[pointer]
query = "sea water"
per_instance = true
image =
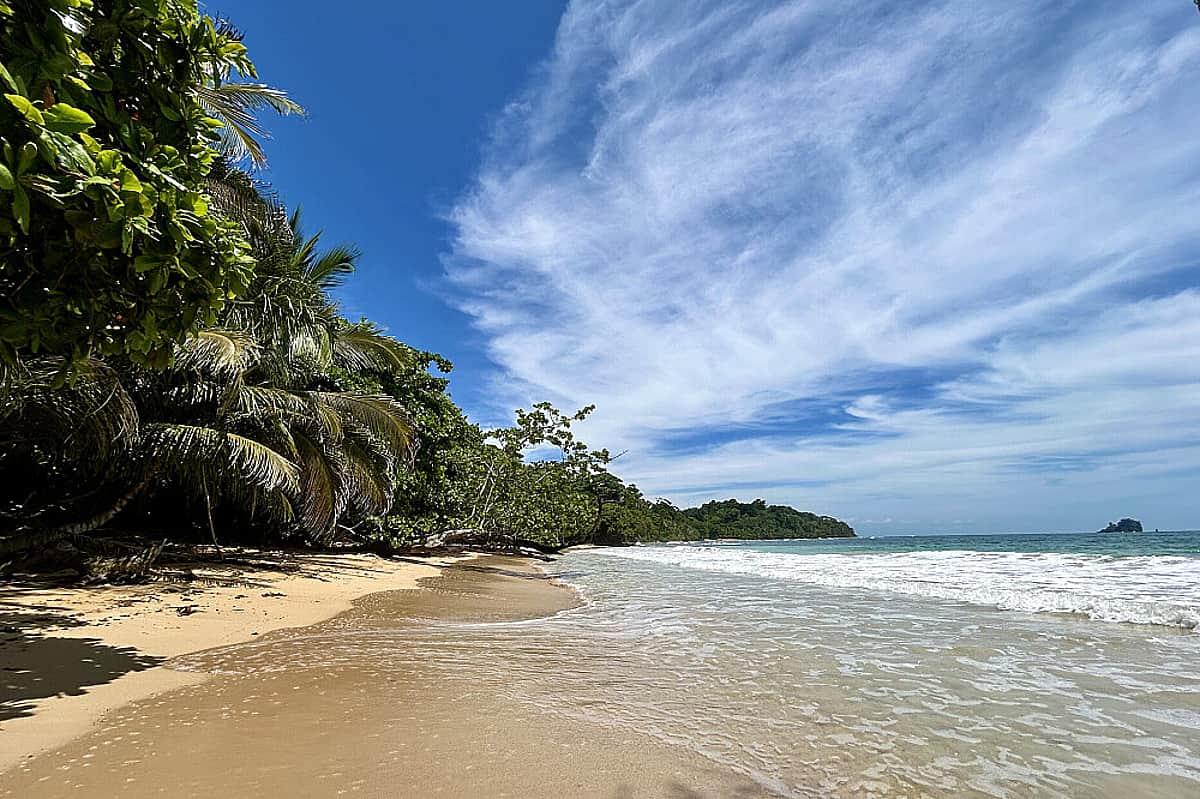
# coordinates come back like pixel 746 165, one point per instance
pixel 941 666
pixel 997 666
pixel 936 666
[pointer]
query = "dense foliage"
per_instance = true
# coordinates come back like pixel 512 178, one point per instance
pixel 636 519
pixel 108 244
pixel 172 361
pixel 757 519
pixel 247 422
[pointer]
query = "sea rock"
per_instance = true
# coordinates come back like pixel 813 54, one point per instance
pixel 1123 526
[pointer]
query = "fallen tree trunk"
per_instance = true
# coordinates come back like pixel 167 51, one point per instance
pixel 479 539
pixel 28 538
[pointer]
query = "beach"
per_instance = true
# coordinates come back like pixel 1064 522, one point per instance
pixel 273 717
pixel 71 655
pixel 1059 666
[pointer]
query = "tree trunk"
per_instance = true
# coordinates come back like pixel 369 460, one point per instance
pixel 102 518
pixel 212 529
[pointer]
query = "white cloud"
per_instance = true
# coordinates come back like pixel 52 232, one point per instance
pixel 971 232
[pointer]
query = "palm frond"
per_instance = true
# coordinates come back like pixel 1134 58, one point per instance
pixel 381 415
pixel 192 397
pixel 270 400
pixel 362 347
pixel 240 197
pixel 323 495
pixel 220 354
pixel 313 346
pixel 371 472
pixel 189 451
pixel 235 105
pixel 304 410
pixel 226 29
pixel 332 266
pixel 87 413
pixel 371 495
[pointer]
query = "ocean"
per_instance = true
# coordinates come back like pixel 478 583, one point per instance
pixel 942 666
pixel 1009 666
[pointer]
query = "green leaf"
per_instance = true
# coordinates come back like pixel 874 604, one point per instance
pixel 100 82
pixel 64 118
pixel 158 279
pixel 5 75
pixel 56 187
pixel 25 157
pixel 6 178
pixel 26 108
pixel 109 161
pixel 69 153
pixel 130 182
pixel 58 65
pixel 21 207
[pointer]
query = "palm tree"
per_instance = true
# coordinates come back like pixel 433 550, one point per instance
pixel 288 305
pixel 236 104
pixel 91 432
pixel 248 413
pixel 335 452
pixel 301 460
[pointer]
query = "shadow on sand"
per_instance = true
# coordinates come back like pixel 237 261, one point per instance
pixel 36 664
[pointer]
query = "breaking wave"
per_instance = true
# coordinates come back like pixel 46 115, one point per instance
pixel 1159 590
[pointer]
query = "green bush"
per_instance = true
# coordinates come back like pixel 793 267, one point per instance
pixel 107 245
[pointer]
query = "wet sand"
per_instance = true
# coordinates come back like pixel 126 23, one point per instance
pixel 288 728
pixel 68 656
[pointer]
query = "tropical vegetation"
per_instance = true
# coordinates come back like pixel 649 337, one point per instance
pixel 173 363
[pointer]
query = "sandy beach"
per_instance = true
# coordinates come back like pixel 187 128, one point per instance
pixel 257 719
pixel 71 655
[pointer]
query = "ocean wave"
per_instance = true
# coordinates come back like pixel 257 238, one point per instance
pixel 1158 590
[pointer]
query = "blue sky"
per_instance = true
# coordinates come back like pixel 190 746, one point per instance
pixel 926 266
pixel 400 100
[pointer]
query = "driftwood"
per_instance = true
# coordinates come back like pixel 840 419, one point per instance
pixel 478 539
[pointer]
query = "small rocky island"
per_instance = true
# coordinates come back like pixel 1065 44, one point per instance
pixel 1123 526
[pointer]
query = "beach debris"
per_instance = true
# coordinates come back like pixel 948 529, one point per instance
pixel 274 593
pixel 186 610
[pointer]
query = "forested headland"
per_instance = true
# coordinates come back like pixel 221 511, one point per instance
pixel 173 363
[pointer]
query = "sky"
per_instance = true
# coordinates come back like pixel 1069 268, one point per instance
pixel 924 266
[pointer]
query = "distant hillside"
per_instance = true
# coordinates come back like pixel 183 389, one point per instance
pixel 758 520
pixel 732 519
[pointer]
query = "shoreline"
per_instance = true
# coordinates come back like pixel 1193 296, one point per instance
pixel 363 702
pixel 74 655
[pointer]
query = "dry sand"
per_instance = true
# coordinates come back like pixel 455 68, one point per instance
pixel 68 656
pixel 362 726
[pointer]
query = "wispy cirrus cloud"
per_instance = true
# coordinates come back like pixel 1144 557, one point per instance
pixel 923 261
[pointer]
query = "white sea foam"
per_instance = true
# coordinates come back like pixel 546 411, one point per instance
pixel 1158 590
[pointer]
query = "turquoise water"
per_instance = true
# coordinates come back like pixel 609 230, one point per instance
pixel 1144 578
pixel 1184 542
pixel 942 666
